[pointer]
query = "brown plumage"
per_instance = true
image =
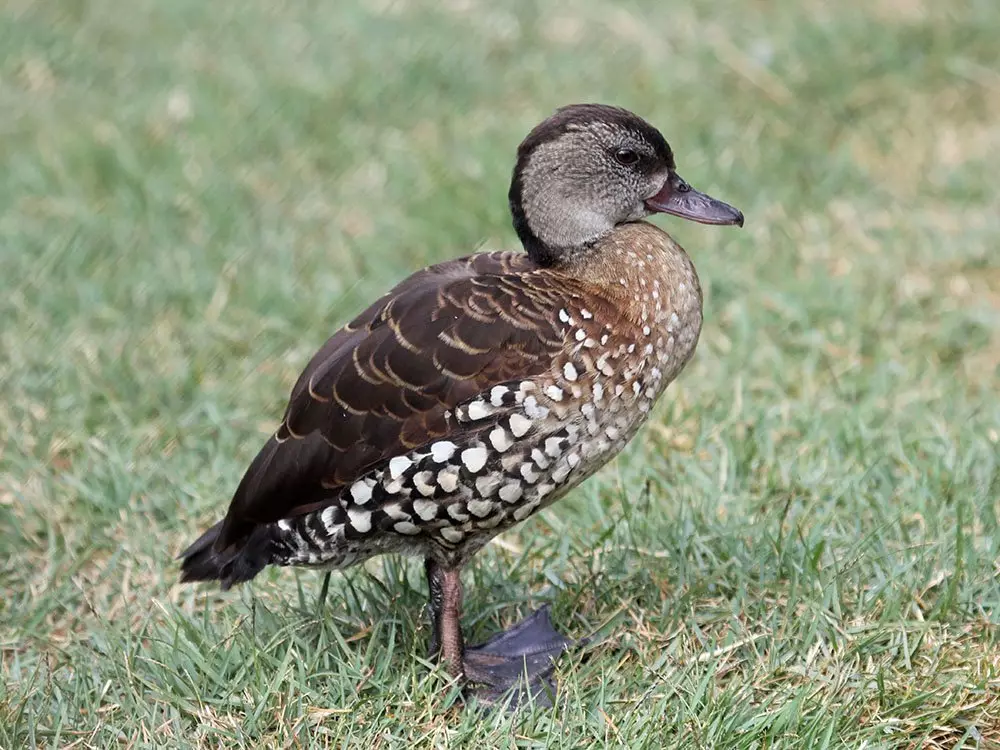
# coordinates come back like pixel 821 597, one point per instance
pixel 482 389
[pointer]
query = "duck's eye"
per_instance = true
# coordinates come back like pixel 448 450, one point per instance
pixel 626 156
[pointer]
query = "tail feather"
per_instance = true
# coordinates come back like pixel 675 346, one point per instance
pixel 202 561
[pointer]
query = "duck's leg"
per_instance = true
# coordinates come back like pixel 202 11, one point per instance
pixel 522 657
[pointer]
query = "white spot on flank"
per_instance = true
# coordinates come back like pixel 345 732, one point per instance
pixel 580 334
pixel 395 512
pixel 569 372
pixel 554 392
pixel 442 450
pixel 674 320
pixel 479 410
pixel 480 508
pixel 474 458
pixel 398 465
pixel 573 459
pixel 426 509
pixel 361 520
pixel 447 480
pixel 553 446
pixel 405 527
pixel 525 510
pixel 452 535
pixel 361 492
pixel 533 410
pixel 510 493
pixel 497 393
pixel 539 458
pixel 519 425
pixel 563 315
pixel 612 433
pixel 500 439
pixel 529 473
pixel 587 314
pixel 486 485
pixel 598 392
pixel 327 517
pixel 645 330
pixel 422 481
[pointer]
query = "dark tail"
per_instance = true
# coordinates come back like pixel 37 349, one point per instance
pixel 239 562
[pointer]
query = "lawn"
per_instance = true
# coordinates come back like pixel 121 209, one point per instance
pixel 800 551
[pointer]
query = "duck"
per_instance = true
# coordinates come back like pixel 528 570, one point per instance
pixel 481 390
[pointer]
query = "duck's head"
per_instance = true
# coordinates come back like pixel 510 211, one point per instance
pixel 590 167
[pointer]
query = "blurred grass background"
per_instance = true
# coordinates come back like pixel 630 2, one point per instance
pixel 799 552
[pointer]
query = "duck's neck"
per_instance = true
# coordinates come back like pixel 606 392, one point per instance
pixel 550 227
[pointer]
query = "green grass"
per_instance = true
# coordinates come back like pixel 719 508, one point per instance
pixel 801 551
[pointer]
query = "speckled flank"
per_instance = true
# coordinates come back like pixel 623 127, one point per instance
pixel 626 333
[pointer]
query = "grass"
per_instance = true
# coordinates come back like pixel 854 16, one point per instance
pixel 801 550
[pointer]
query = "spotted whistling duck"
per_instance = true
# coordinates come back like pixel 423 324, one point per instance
pixel 481 390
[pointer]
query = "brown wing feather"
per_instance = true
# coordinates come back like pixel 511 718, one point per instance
pixel 388 381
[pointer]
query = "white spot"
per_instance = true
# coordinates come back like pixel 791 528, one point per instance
pixel 452 535
pixel 457 511
pixel 612 433
pixel 648 349
pixel 544 489
pixel 526 510
pixel 604 339
pixel 564 316
pixel 587 314
pixel 674 320
pixel 569 371
pixel 393 487
pixel 619 389
pixel 361 520
pixel 511 493
pixel 480 508
pixel 573 459
pixel 553 447
pixel 422 481
pixel 580 334
pixel 500 439
pixel 395 512
pixel 519 425
pixel 405 527
pixel 327 517
pixel 398 465
pixel 590 343
pixel 479 410
pixel 426 509
pixel 491 522
pixel 497 393
pixel 474 458
pixel 645 330
pixel 539 458
pixel 447 480
pixel 598 392
pixel 361 492
pixel 533 410
pixel 529 473
pixel 636 387
pixel 442 450
pixel 622 282
pixel 554 392
pixel 560 473
pixel 486 485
